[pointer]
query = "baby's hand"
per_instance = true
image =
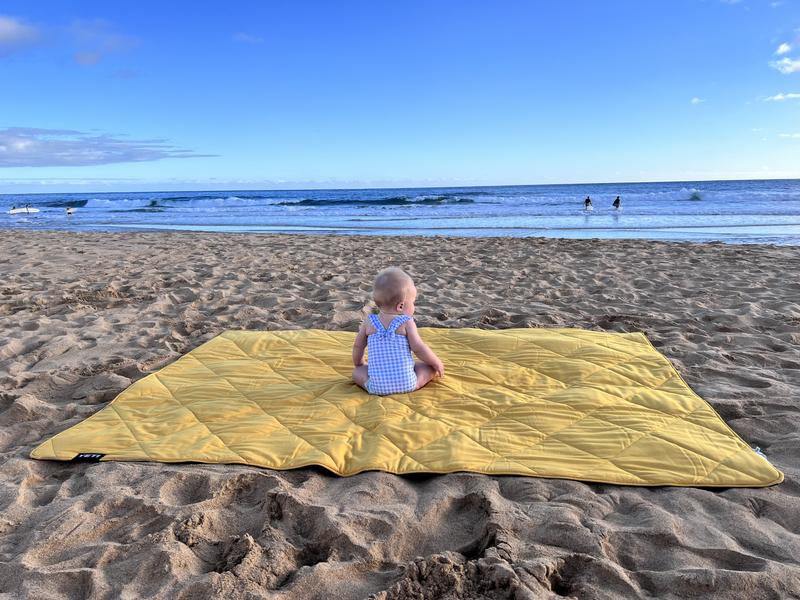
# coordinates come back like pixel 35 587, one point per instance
pixel 438 368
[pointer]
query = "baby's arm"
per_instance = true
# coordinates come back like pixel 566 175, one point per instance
pixel 421 349
pixel 359 346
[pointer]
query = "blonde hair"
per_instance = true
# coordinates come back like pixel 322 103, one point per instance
pixel 390 287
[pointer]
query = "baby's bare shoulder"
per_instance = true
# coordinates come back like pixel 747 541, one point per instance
pixel 367 327
pixel 408 326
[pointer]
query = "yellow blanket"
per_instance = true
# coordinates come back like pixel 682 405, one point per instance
pixel 562 403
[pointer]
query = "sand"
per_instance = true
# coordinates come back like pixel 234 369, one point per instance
pixel 82 315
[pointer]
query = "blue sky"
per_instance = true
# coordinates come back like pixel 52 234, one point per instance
pixel 246 95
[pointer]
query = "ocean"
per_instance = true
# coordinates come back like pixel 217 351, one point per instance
pixel 738 212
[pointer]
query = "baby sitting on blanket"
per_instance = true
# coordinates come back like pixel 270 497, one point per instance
pixel 391 336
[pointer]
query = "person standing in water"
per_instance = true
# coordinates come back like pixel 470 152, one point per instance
pixel 587 204
pixel 617 203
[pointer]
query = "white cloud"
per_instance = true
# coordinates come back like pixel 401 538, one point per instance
pixel 32 147
pixel 786 65
pixel 247 38
pixel 14 34
pixel 795 136
pixel 784 48
pixel 697 100
pixel 781 97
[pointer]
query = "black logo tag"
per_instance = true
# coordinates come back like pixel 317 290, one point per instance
pixel 88 457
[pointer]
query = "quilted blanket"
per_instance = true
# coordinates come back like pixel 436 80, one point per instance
pixel 563 403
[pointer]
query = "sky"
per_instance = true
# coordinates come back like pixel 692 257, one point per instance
pixel 127 96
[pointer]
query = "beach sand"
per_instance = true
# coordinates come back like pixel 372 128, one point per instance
pixel 82 315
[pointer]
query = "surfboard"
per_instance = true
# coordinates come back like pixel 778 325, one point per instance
pixel 22 211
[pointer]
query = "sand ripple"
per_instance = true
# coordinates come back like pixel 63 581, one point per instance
pixel 83 315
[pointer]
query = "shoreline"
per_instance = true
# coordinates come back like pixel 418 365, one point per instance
pixel 84 314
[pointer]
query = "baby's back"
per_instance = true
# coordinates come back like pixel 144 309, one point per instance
pixel 390 362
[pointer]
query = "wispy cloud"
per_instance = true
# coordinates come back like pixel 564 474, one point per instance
pixel 697 100
pixel 33 147
pixel 97 38
pixel 89 40
pixel 247 38
pixel 87 58
pixel 781 97
pixel 784 48
pixel 795 136
pixel 786 65
pixel 15 34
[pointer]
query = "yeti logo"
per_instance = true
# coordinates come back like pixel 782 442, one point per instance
pixel 88 457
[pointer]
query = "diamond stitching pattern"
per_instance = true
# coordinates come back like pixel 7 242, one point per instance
pixel 553 402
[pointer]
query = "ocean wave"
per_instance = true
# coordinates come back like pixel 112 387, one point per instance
pixel 202 197
pixel 214 202
pixel 719 196
pixel 147 209
pixel 64 203
pixel 118 203
pixel 685 209
pixel 367 202
pixel 460 192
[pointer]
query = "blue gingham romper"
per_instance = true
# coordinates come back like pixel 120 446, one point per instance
pixel 390 364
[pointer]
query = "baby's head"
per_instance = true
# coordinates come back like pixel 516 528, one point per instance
pixel 394 291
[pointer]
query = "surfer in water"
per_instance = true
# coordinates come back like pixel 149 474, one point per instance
pixel 617 203
pixel 587 204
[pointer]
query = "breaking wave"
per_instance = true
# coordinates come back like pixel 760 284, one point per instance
pixel 366 202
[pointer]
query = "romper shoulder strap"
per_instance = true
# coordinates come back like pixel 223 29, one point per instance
pixel 396 322
pixel 376 323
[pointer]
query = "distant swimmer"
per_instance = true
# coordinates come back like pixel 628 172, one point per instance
pixel 70 210
pixel 617 204
pixel 587 204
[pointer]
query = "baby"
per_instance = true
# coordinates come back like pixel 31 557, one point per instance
pixel 391 335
